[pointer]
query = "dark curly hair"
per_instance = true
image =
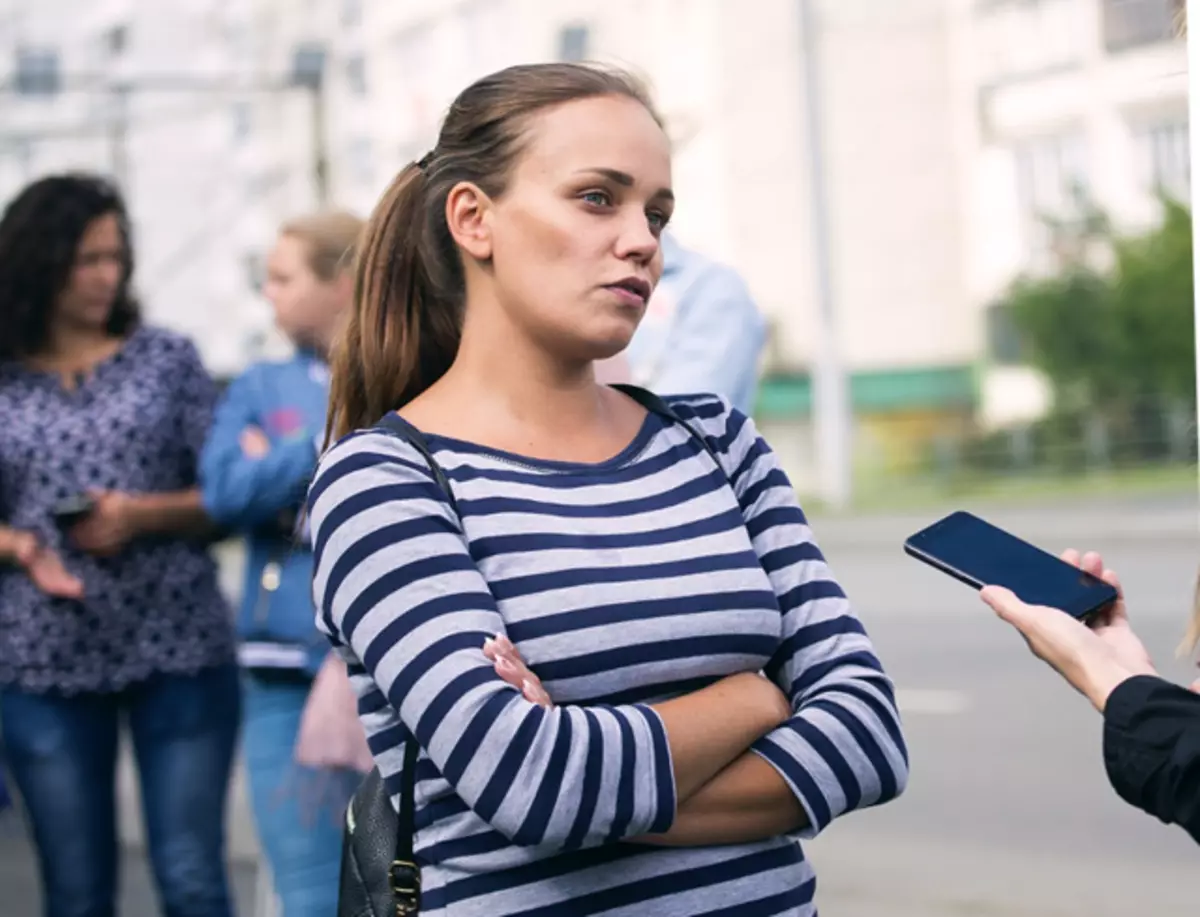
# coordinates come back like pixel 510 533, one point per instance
pixel 40 233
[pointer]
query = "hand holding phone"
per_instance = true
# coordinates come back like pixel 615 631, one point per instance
pixel 70 512
pixel 1095 656
pixel 980 554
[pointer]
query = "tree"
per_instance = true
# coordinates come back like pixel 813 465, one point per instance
pixel 1114 335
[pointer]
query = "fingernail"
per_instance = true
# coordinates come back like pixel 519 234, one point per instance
pixel 504 664
pixel 489 644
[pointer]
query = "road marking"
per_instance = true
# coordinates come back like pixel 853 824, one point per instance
pixel 932 701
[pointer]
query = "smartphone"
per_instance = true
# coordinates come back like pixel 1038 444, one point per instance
pixel 73 510
pixel 979 554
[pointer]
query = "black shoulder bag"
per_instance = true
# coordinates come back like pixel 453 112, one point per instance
pixel 379 874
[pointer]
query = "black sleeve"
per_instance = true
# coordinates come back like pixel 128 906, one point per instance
pixel 1152 749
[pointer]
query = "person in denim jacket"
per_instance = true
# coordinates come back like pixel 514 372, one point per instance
pixel 702 332
pixel 305 751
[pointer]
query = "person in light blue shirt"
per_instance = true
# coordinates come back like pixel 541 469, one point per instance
pixel 702 332
pixel 301 731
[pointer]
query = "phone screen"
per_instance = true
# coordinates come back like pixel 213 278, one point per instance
pixel 980 554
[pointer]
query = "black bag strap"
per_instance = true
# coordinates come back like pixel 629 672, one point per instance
pixel 395 425
pixel 655 405
pixel 405 875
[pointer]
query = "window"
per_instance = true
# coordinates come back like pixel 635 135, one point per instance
pixel 356 75
pixel 1164 153
pixel 1052 187
pixel 1003 339
pixel 573 43
pixel 308 65
pixel 37 71
pixel 116 40
pixel 254 269
pixel 1132 23
pixel 242 121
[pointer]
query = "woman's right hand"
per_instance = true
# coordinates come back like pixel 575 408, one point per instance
pixel 45 567
pixel 1094 657
pixel 512 668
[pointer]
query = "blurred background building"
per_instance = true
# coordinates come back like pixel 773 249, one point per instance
pixel 1007 251
pixel 951 131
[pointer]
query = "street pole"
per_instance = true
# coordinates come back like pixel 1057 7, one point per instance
pixel 118 135
pixel 320 142
pixel 1192 13
pixel 831 403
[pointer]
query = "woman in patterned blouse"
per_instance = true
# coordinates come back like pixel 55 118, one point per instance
pixel 112 613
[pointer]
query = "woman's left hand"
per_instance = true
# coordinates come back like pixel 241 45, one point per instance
pixel 109 527
pixel 1093 657
pixel 512 668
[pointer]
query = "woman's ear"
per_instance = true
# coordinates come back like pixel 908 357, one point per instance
pixel 468 216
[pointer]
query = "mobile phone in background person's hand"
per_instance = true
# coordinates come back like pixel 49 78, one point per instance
pixel 71 511
pixel 980 554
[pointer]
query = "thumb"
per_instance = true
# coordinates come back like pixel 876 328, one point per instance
pixel 1002 601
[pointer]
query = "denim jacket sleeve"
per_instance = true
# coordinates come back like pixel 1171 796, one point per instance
pixel 715 342
pixel 241 492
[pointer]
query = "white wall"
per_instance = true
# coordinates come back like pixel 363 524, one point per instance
pixel 729 85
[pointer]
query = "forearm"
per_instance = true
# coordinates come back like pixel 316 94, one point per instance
pixel 178 512
pixel 242 492
pixel 1152 749
pixel 711 728
pixel 10 544
pixel 748 801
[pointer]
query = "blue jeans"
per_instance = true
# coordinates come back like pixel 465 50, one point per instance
pixel 299 812
pixel 62 753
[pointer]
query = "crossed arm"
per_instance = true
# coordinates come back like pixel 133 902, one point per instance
pixel 397 587
pixel 747 800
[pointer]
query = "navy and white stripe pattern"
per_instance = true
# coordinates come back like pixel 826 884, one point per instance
pixel 622 584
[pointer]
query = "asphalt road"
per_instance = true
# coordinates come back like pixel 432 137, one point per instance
pixel 1008 811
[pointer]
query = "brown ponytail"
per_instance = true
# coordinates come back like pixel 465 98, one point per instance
pixel 395 343
pixel 404 328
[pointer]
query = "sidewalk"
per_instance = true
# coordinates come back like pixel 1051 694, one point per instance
pixel 1174 517
pixel 22 897
pixel 18 871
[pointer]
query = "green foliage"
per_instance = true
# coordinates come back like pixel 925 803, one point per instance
pixel 1113 335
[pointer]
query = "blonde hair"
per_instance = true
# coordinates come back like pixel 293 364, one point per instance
pixel 331 237
pixel 1192 638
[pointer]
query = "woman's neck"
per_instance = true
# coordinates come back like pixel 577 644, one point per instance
pixel 72 349
pixel 506 391
pixel 505 370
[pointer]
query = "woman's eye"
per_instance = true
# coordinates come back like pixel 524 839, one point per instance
pixel 657 219
pixel 597 198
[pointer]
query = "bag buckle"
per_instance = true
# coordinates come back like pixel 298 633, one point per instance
pixel 405 879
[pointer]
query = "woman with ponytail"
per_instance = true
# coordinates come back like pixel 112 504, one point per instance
pixel 600 616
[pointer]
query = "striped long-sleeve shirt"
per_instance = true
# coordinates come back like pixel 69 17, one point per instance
pixel 622 583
